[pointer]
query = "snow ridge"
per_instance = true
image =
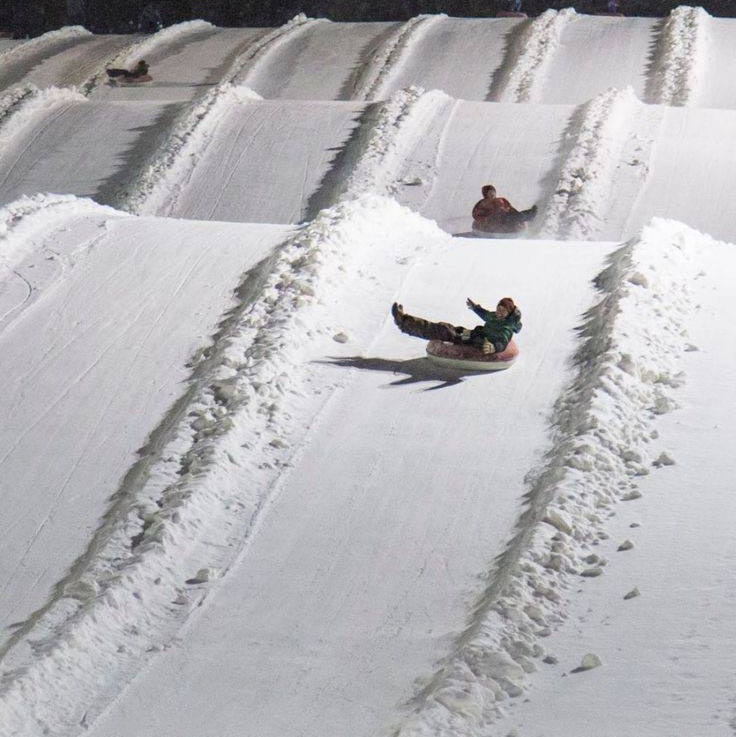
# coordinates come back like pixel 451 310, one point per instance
pixel 247 62
pixel 384 61
pixel 628 367
pixel 532 54
pixel 47 39
pixel 578 207
pixel 681 50
pixel 19 107
pixel 399 123
pixel 22 219
pixel 140 49
pixel 202 484
pixel 156 188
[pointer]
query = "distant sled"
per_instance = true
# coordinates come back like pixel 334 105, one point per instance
pixel 468 358
pixel 124 81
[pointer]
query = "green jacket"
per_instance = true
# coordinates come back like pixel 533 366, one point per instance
pixel 498 332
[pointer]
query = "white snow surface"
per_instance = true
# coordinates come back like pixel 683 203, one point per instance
pixel 237 500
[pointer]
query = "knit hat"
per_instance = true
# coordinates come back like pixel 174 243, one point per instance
pixel 508 303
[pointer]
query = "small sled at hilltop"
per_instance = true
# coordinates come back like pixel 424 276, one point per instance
pixel 495 217
pixel 138 75
pixel 469 358
pixel 130 81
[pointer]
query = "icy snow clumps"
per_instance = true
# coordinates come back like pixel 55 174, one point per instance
pixel 532 53
pixel 628 363
pixel 681 52
pixel 578 207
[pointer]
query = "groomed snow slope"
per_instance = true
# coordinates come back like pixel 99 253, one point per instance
pixel 313 529
pixel 187 68
pixel 324 61
pixel 318 587
pixel 268 158
pixel 100 314
pixel 70 64
pixel 559 57
pixel 520 147
pixel 83 148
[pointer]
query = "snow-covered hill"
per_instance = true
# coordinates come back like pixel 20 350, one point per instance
pixel 236 500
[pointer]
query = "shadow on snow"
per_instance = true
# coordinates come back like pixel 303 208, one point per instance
pixel 416 370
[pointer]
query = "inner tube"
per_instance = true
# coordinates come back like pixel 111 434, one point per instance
pixel 469 358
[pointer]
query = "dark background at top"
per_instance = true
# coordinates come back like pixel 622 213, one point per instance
pixel 23 18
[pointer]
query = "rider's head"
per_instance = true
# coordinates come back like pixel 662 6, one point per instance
pixel 488 190
pixel 505 307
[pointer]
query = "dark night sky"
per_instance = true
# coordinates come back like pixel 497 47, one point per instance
pixel 32 17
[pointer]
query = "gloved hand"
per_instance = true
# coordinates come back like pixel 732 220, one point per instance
pixel 470 304
pixel 487 347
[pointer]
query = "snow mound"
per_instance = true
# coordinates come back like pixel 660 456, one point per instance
pixel 681 52
pixel 399 124
pixel 22 219
pixel 22 106
pixel 578 207
pixel 47 39
pixel 627 364
pixel 247 62
pixel 532 53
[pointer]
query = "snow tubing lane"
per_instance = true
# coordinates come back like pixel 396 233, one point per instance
pixel 468 358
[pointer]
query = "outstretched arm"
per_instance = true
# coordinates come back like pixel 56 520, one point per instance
pixel 482 313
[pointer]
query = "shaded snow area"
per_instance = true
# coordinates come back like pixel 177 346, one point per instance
pixel 236 500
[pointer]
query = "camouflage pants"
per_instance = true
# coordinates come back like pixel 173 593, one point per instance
pixel 421 328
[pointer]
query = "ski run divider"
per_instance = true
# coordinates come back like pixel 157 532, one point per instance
pixel 628 368
pixel 256 52
pixel 531 54
pixel 36 45
pixel 383 63
pixel 203 483
pixel 578 206
pixel 383 145
pixel 142 48
pixel 681 50
pixel 156 188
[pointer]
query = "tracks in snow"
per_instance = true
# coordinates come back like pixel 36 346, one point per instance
pixel 203 479
pixel 628 367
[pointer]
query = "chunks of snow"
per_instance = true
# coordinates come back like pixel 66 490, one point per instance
pixel 589 661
